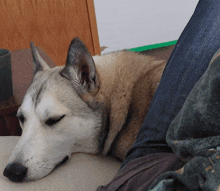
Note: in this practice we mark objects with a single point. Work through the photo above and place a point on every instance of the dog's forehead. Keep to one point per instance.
(42, 83)
(51, 92)
(48, 81)
(50, 106)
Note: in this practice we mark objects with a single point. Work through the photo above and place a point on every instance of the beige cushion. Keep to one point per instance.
(81, 173)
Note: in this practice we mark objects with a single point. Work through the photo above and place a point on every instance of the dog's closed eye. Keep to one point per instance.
(53, 121)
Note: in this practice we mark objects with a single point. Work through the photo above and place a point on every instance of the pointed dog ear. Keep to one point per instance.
(80, 68)
(39, 62)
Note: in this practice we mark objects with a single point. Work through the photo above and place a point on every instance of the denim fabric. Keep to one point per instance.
(189, 60)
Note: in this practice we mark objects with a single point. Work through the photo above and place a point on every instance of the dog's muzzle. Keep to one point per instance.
(15, 172)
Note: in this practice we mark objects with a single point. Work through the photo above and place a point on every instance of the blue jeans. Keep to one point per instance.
(188, 61)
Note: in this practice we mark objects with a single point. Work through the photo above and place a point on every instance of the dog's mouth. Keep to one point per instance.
(66, 158)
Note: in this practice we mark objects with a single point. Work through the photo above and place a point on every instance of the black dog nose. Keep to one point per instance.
(15, 172)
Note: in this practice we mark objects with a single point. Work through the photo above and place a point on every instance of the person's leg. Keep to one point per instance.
(188, 61)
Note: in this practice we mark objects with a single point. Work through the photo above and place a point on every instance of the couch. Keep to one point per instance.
(81, 173)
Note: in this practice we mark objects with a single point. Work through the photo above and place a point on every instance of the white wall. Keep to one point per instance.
(124, 24)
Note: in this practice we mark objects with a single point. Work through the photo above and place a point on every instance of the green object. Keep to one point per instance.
(152, 46)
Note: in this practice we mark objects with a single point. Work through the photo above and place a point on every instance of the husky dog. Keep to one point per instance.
(92, 105)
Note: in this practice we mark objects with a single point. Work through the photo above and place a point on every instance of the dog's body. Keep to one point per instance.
(82, 107)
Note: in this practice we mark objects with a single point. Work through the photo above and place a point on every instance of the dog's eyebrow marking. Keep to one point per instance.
(37, 96)
(42, 83)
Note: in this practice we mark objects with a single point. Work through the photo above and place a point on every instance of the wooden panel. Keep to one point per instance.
(50, 24)
(93, 27)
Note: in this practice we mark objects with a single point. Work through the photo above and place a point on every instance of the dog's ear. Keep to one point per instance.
(80, 68)
(39, 62)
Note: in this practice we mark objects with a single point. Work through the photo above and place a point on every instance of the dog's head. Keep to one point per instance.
(59, 115)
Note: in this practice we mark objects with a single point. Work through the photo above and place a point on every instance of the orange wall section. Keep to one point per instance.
(50, 24)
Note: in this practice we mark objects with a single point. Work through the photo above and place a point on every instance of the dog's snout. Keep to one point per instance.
(15, 172)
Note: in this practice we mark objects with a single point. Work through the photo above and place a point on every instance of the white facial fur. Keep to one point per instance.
(55, 120)
(42, 147)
